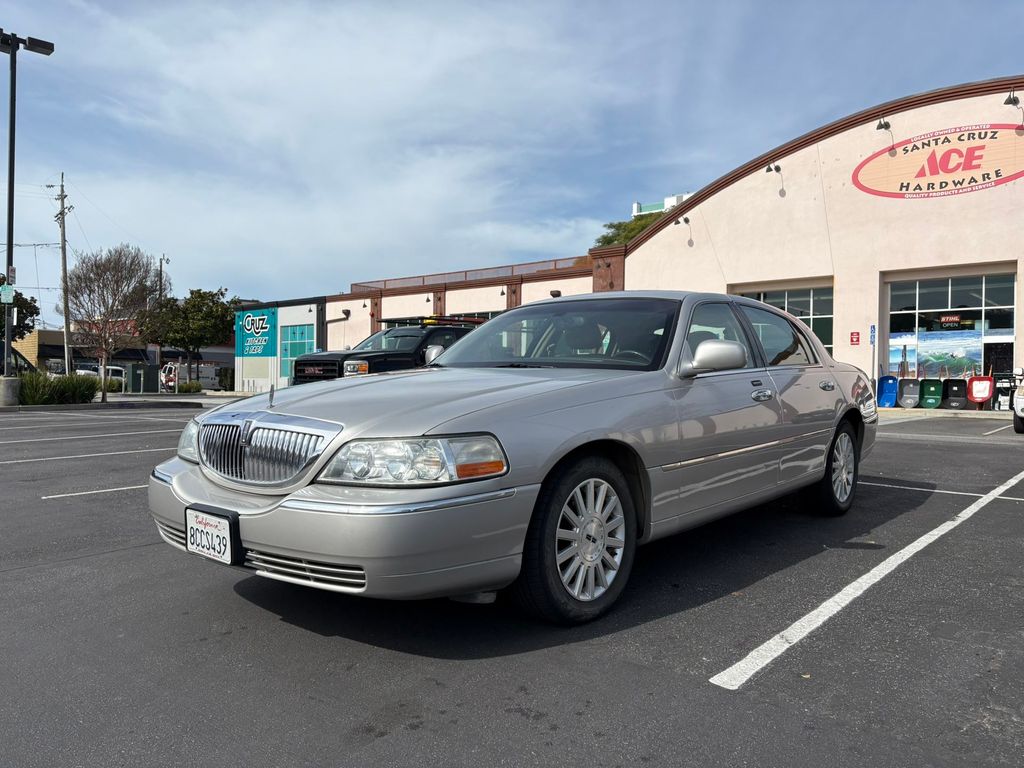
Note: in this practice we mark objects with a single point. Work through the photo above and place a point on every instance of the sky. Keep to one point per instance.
(288, 149)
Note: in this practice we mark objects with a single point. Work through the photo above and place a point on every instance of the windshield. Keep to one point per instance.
(629, 334)
(393, 339)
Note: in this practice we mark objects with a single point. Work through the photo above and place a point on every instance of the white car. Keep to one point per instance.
(113, 371)
(1018, 401)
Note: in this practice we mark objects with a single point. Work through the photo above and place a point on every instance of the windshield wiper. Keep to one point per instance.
(521, 365)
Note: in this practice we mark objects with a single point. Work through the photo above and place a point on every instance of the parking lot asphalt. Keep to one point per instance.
(119, 650)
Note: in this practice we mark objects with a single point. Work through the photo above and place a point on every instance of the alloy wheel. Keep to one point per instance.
(844, 463)
(590, 540)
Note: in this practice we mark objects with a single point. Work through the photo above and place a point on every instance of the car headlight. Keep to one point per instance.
(356, 367)
(188, 443)
(416, 461)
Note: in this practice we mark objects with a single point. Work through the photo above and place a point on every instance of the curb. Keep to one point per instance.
(944, 413)
(148, 404)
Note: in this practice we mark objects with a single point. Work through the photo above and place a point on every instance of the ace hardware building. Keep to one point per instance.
(894, 233)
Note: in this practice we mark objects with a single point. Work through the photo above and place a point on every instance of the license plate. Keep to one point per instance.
(208, 535)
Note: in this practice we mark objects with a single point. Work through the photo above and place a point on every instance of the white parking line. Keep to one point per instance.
(88, 437)
(89, 493)
(85, 422)
(64, 417)
(740, 672)
(934, 490)
(86, 455)
(1000, 429)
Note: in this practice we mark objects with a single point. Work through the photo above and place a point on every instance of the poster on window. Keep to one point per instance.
(903, 358)
(945, 354)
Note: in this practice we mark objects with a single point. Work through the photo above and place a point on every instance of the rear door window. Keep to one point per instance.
(781, 342)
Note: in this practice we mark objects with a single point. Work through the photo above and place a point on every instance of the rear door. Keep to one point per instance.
(728, 420)
(805, 388)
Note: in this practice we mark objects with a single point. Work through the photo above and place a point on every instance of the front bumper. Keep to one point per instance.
(374, 542)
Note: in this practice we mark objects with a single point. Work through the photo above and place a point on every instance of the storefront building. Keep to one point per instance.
(892, 233)
(269, 336)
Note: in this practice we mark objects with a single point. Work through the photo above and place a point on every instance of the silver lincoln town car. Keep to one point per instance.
(535, 454)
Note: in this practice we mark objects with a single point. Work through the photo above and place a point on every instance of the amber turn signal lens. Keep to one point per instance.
(479, 469)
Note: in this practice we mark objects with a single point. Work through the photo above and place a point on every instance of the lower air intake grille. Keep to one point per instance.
(331, 576)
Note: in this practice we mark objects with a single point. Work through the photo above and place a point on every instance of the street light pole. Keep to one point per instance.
(9, 44)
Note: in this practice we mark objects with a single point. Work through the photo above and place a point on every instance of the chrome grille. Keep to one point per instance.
(331, 576)
(270, 456)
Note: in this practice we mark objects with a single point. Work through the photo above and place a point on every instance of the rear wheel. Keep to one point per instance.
(580, 545)
(1018, 424)
(835, 491)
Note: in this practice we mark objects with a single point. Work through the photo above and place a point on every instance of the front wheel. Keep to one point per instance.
(1018, 424)
(580, 545)
(842, 469)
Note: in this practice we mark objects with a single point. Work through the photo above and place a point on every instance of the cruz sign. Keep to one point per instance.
(256, 333)
(942, 163)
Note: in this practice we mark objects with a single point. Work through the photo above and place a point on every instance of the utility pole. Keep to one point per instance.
(10, 44)
(160, 298)
(61, 215)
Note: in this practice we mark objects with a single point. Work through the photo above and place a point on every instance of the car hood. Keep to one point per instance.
(413, 402)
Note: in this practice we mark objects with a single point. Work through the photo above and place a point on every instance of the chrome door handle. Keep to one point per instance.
(827, 385)
(761, 395)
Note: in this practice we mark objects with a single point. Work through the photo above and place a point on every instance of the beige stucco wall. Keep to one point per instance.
(825, 229)
(569, 286)
(347, 332)
(410, 305)
(488, 299)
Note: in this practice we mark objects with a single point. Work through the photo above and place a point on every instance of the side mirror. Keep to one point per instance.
(431, 353)
(1018, 371)
(714, 355)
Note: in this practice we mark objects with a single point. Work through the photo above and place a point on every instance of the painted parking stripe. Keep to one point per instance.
(87, 455)
(740, 672)
(90, 493)
(88, 437)
(66, 417)
(924, 489)
(59, 425)
(1000, 429)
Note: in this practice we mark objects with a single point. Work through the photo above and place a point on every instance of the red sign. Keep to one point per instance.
(946, 162)
(855, 338)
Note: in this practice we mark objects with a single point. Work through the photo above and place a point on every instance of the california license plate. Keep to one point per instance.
(208, 535)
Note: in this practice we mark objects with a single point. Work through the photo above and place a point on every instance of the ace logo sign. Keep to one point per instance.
(256, 333)
(943, 163)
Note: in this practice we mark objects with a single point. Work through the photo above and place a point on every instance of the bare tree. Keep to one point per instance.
(108, 291)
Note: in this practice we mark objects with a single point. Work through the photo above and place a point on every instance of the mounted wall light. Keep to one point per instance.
(555, 294)
(773, 168)
(428, 299)
(346, 313)
(502, 291)
(364, 303)
(883, 125)
(1012, 100)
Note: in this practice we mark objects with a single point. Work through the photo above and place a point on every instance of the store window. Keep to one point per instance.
(295, 340)
(812, 305)
(950, 326)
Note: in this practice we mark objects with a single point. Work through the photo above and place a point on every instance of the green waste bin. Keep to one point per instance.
(931, 393)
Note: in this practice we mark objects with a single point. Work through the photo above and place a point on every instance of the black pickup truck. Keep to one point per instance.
(389, 350)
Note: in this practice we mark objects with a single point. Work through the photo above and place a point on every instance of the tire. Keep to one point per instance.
(1018, 424)
(572, 592)
(839, 480)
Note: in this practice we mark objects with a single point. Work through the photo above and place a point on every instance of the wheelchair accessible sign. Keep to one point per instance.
(256, 333)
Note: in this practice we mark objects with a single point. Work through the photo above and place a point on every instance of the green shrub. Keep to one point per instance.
(78, 389)
(114, 385)
(36, 389)
(40, 389)
(189, 387)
